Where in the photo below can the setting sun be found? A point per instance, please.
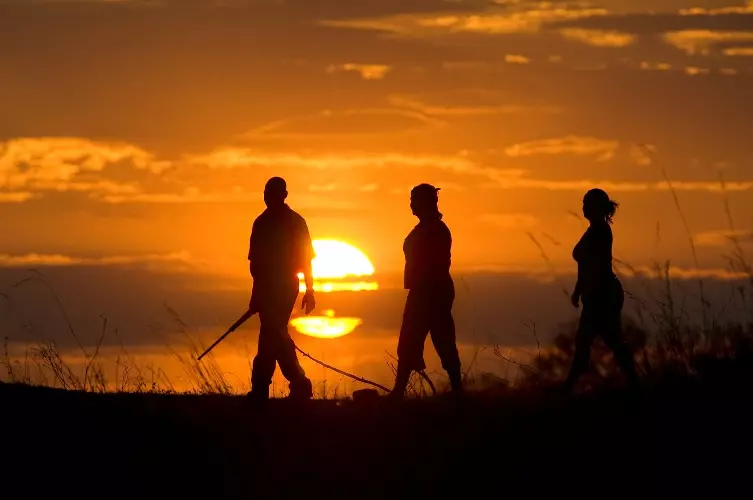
(335, 262)
(337, 259)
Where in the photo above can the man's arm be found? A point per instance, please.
(308, 256)
(252, 250)
(307, 249)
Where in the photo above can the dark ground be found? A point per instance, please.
(675, 440)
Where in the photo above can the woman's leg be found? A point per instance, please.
(583, 340)
(410, 345)
(614, 339)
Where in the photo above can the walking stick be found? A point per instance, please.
(230, 330)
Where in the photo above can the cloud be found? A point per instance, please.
(683, 273)
(722, 237)
(657, 23)
(599, 38)
(655, 66)
(237, 195)
(505, 180)
(738, 51)
(702, 42)
(240, 157)
(516, 59)
(510, 221)
(565, 145)
(328, 124)
(520, 17)
(497, 178)
(720, 11)
(695, 70)
(58, 164)
(457, 110)
(57, 260)
(367, 71)
(16, 197)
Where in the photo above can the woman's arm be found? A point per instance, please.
(575, 298)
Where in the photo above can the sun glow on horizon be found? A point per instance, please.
(335, 262)
(326, 326)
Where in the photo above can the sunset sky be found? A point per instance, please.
(136, 136)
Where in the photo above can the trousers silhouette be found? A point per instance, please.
(428, 311)
(275, 302)
(602, 316)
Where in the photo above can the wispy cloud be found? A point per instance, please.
(239, 157)
(695, 70)
(599, 38)
(702, 42)
(683, 273)
(655, 66)
(719, 11)
(516, 59)
(450, 110)
(739, 51)
(515, 180)
(345, 123)
(565, 145)
(367, 71)
(722, 237)
(57, 260)
(16, 197)
(498, 178)
(520, 17)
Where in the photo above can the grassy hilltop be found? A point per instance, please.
(674, 436)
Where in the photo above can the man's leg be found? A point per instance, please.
(410, 345)
(300, 385)
(442, 329)
(263, 367)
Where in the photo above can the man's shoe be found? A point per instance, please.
(258, 397)
(301, 391)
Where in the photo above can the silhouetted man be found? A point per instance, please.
(428, 308)
(280, 247)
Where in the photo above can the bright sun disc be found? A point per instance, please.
(335, 262)
(337, 259)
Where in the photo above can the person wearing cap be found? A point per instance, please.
(280, 247)
(599, 290)
(431, 293)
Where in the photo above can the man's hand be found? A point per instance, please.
(308, 303)
(575, 299)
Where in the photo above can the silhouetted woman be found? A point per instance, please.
(599, 289)
(431, 292)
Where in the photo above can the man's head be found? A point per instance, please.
(424, 200)
(275, 192)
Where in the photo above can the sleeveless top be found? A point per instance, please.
(593, 253)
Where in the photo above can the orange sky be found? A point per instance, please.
(140, 133)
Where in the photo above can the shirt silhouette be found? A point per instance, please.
(280, 247)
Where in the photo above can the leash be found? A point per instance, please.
(341, 372)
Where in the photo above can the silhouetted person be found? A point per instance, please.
(431, 292)
(280, 247)
(599, 289)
